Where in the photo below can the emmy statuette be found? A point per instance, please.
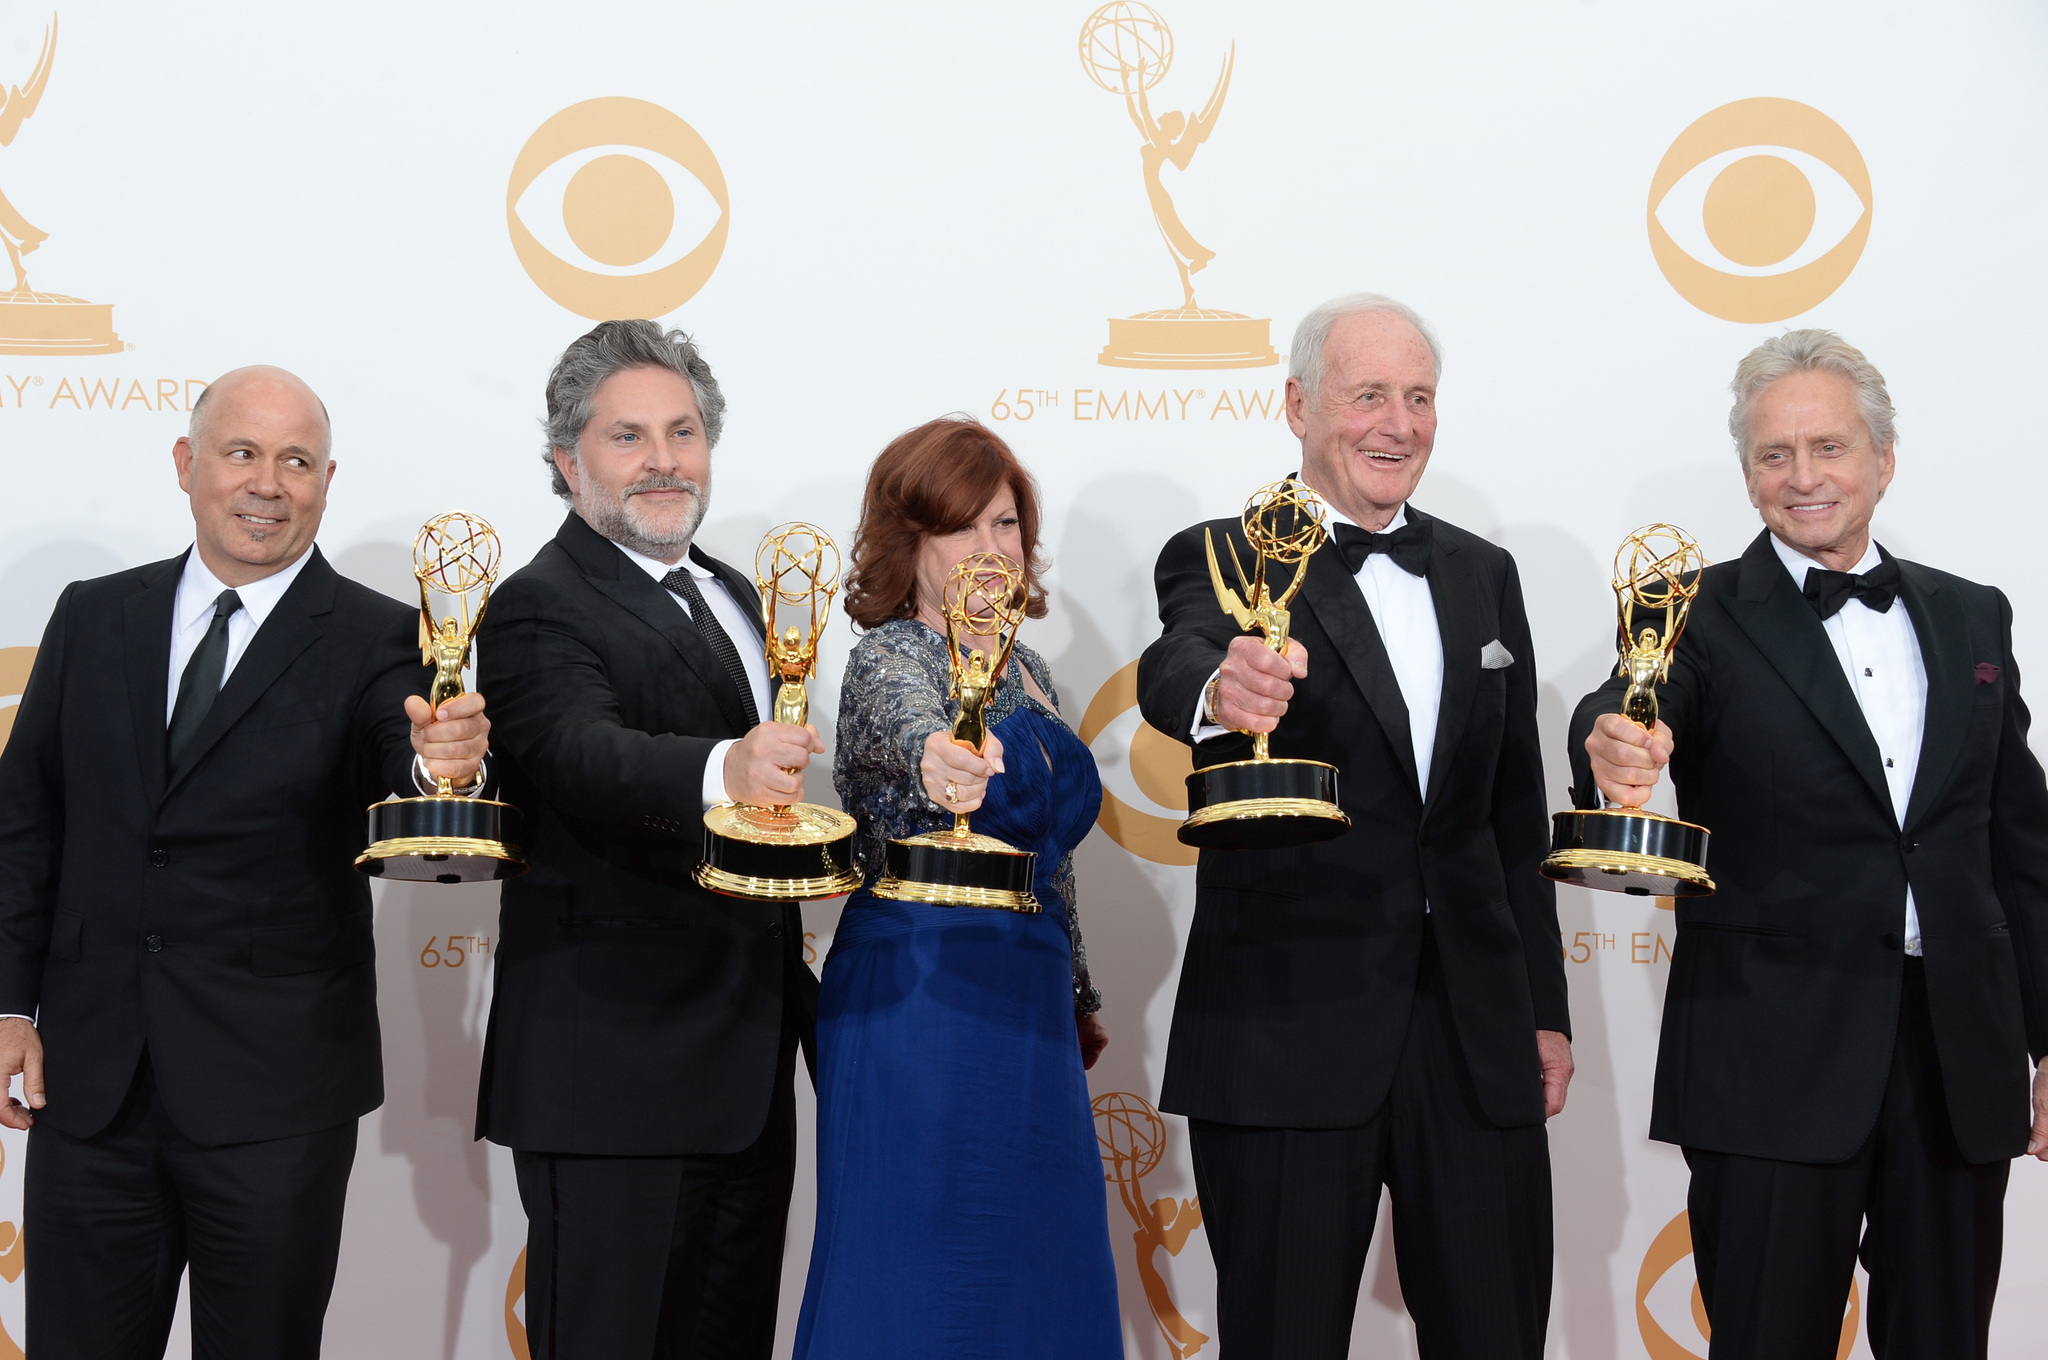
(445, 837)
(1264, 803)
(985, 597)
(803, 851)
(1634, 850)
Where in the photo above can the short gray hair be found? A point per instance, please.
(613, 347)
(1312, 336)
(1810, 351)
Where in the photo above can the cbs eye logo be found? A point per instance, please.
(1672, 1317)
(1138, 754)
(608, 208)
(1760, 210)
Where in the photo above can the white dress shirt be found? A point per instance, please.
(1405, 613)
(1880, 653)
(192, 614)
(741, 625)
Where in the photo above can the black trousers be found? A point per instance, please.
(1290, 1214)
(114, 1220)
(661, 1258)
(1775, 1243)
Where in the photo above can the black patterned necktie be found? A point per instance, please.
(1407, 545)
(1828, 591)
(684, 584)
(200, 684)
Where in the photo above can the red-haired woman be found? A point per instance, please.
(960, 1206)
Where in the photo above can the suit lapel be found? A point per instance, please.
(1460, 615)
(1782, 625)
(1333, 597)
(633, 590)
(291, 628)
(1945, 647)
(146, 623)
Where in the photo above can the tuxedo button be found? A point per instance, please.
(159, 858)
(153, 943)
(1892, 940)
(775, 930)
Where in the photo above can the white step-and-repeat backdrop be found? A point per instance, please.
(871, 215)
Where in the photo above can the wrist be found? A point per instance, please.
(1209, 690)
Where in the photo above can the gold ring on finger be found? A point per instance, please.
(952, 791)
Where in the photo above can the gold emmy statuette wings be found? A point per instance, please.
(21, 101)
(31, 321)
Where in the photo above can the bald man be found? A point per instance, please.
(186, 968)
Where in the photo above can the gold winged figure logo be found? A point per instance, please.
(18, 234)
(33, 322)
(1127, 49)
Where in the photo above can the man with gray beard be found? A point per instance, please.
(641, 1055)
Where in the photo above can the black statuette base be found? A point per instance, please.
(1628, 851)
(948, 869)
(443, 840)
(794, 854)
(1263, 805)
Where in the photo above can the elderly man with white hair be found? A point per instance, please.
(1388, 1007)
(1850, 1018)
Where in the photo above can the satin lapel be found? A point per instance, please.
(146, 644)
(634, 591)
(1333, 597)
(1783, 626)
(291, 628)
(1459, 623)
(1945, 647)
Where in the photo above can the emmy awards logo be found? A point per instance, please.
(1131, 1137)
(33, 322)
(1126, 48)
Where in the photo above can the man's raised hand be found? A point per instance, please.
(1256, 684)
(765, 768)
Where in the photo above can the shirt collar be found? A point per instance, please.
(658, 569)
(199, 589)
(1339, 517)
(1798, 563)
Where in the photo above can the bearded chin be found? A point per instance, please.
(615, 517)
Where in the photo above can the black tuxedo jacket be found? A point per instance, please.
(1302, 964)
(209, 913)
(635, 1013)
(1783, 1001)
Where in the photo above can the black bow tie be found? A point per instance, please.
(1407, 545)
(1828, 591)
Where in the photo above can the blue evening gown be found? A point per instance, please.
(960, 1194)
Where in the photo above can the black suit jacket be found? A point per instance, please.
(1302, 964)
(211, 913)
(1782, 1006)
(635, 1013)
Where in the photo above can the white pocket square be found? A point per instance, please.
(1494, 657)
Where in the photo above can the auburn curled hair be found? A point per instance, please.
(933, 480)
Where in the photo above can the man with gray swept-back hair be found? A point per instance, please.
(1851, 1017)
(640, 1061)
(1386, 1008)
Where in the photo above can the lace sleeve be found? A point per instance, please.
(893, 697)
